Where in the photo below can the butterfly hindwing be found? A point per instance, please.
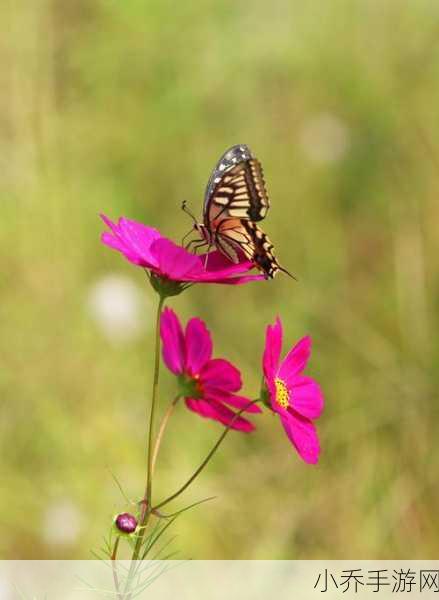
(251, 241)
(263, 253)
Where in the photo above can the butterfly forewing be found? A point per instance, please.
(233, 156)
(236, 188)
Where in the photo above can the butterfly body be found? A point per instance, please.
(235, 200)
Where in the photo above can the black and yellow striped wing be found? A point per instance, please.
(236, 189)
(244, 236)
(235, 199)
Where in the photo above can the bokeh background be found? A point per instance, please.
(124, 107)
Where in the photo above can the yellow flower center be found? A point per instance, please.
(282, 394)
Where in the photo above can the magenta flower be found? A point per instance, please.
(146, 247)
(208, 384)
(297, 399)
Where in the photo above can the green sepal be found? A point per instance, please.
(265, 396)
(189, 387)
(166, 287)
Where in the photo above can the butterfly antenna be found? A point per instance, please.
(187, 211)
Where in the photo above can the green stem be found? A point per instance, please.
(114, 568)
(161, 431)
(146, 504)
(207, 459)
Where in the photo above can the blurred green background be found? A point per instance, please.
(124, 107)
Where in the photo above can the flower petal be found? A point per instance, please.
(306, 397)
(173, 341)
(295, 361)
(143, 234)
(146, 247)
(219, 269)
(117, 244)
(198, 346)
(273, 346)
(174, 261)
(218, 412)
(219, 374)
(219, 265)
(239, 402)
(231, 280)
(109, 223)
(303, 436)
(139, 238)
(131, 238)
(115, 241)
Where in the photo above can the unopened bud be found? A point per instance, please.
(126, 523)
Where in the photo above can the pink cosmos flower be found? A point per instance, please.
(146, 247)
(208, 384)
(297, 399)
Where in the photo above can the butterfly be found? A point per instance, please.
(235, 200)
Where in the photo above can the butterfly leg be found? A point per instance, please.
(198, 246)
(207, 255)
(194, 245)
(186, 235)
(197, 242)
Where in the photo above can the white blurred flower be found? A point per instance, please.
(324, 138)
(119, 308)
(62, 524)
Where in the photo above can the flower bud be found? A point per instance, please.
(126, 523)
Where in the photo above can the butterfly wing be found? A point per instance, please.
(236, 189)
(235, 199)
(230, 158)
(244, 236)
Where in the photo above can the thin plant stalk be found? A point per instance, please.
(161, 431)
(207, 459)
(146, 504)
(114, 568)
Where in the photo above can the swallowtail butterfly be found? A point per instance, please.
(235, 199)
